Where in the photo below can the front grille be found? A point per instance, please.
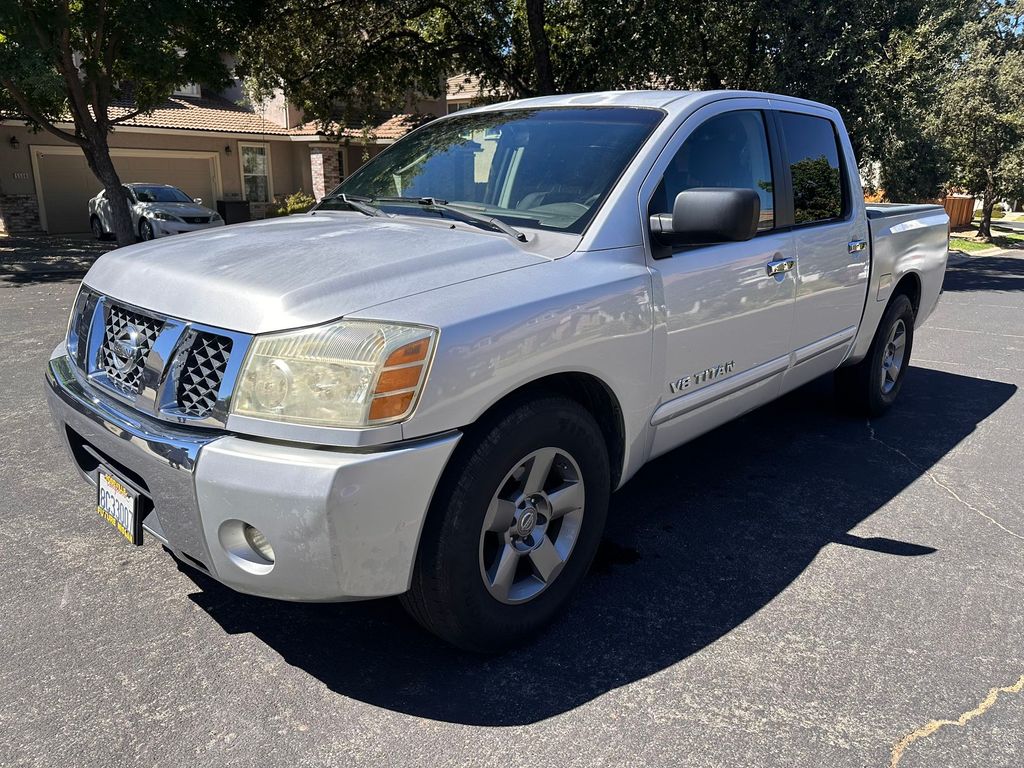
(127, 339)
(202, 374)
(196, 219)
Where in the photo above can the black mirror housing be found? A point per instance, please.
(707, 215)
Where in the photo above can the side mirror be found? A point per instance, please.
(708, 215)
(197, 200)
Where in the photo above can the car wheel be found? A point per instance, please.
(513, 526)
(97, 228)
(146, 230)
(871, 386)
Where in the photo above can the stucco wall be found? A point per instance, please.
(289, 160)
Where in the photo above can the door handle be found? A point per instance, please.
(779, 266)
(856, 246)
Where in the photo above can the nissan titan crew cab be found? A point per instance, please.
(430, 385)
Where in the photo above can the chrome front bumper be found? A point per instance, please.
(343, 525)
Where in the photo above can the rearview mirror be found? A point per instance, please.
(198, 200)
(708, 215)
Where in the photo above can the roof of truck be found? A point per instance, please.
(670, 101)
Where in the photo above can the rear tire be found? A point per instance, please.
(513, 526)
(870, 387)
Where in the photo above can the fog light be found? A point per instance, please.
(254, 538)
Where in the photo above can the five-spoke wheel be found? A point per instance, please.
(531, 525)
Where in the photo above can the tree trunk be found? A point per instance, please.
(988, 202)
(97, 155)
(540, 47)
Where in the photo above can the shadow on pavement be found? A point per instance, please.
(698, 541)
(986, 273)
(26, 259)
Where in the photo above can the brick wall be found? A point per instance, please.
(323, 162)
(19, 214)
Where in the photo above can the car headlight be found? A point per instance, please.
(349, 373)
(164, 216)
(215, 217)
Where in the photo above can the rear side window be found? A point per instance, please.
(813, 151)
(728, 150)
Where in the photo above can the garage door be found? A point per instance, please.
(67, 184)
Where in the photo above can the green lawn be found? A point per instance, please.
(1002, 240)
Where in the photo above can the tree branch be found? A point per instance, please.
(36, 117)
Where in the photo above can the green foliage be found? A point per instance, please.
(297, 202)
(817, 190)
(982, 112)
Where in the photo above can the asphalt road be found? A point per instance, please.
(797, 588)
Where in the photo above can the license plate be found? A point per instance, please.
(119, 506)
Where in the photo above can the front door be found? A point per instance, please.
(727, 322)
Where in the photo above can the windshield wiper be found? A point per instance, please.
(442, 206)
(361, 204)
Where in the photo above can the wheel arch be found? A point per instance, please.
(590, 392)
(909, 285)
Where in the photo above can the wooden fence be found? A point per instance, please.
(960, 209)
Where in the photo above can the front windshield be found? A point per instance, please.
(160, 195)
(547, 167)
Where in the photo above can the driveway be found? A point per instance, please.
(797, 588)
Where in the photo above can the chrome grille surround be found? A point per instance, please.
(179, 371)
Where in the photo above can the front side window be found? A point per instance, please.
(548, 168)
(728, 150)
(813, 152)
(255, 172)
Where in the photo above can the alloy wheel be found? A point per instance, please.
(531, 525)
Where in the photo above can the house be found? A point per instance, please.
(466, 90)
(207, 144)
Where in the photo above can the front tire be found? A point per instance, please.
(870, 387)
(97, 228)
(513, 527)
(146, 231)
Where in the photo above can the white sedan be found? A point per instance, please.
(156, 210)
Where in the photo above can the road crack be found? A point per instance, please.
(927, 730)
(931, 476)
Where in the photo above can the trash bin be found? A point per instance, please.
(234, 211)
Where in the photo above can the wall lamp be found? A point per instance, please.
(227, 149)
(14, 142)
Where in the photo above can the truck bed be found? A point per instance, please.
(905, 239)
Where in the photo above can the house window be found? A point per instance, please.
(255, 160)
(188, 89)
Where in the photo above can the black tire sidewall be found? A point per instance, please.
(97, 228)
(476, 620)
(899, 309)
(146, 231)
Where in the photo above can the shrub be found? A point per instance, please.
(297, 202)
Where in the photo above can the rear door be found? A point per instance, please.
(830, 237)
(727, 322)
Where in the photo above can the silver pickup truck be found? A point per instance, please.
(430, 385)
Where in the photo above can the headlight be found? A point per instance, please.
(215, 217)
(350, 373)
(164, 216)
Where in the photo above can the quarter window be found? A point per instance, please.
(728, 150)
(813, 152)
(255, 159)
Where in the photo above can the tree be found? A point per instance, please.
(982, 114)
(94, 64)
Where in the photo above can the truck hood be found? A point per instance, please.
(301, 270)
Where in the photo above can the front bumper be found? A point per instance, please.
(343, 525)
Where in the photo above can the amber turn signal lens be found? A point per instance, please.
(390, 406)
(410, 353)
(399, 378)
